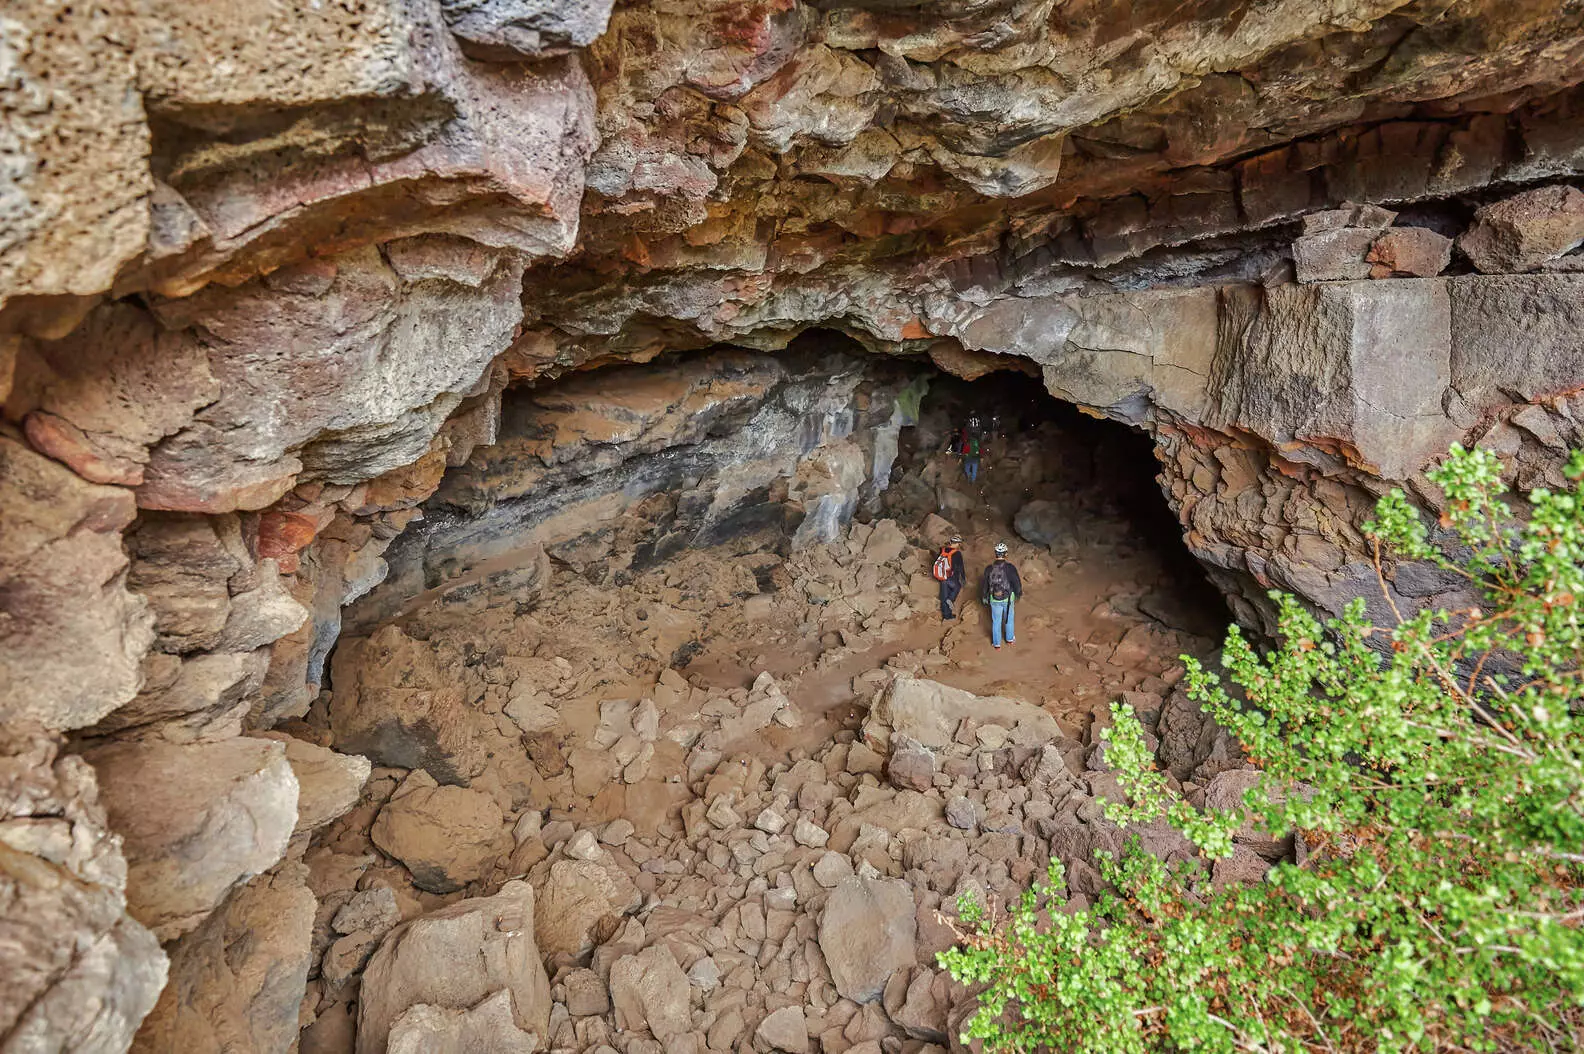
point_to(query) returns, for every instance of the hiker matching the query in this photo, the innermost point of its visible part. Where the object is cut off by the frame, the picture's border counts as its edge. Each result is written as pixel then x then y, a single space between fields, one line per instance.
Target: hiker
pixel 951 573
pixel 954 441
pixel 971 458
pixel 1001 589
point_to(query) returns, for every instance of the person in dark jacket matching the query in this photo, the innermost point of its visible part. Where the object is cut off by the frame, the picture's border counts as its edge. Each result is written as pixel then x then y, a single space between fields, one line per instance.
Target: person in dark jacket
pixel 1000 589
pixel 952 584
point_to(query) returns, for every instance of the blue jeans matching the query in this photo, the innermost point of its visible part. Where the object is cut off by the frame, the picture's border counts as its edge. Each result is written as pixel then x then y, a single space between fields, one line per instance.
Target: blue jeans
pixel 971 468
pixel 1003 610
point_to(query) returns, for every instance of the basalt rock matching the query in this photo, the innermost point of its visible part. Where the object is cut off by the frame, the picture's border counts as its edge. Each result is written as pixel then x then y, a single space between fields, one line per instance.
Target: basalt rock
pixel 388 304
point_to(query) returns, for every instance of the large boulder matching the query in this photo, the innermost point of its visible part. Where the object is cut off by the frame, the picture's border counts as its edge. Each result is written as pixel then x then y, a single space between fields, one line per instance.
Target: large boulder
pixel 576 896
pixel 928 713
pixel 79 972
pixel 398 704
pixel 866 934
pixel 446 836
pixel 454 959
pixel 236 982
pixel 196 820
pixel 1041 522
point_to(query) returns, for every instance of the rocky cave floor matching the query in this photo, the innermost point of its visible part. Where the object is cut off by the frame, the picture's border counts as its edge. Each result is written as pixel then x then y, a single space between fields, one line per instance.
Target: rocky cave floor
pixel 738 793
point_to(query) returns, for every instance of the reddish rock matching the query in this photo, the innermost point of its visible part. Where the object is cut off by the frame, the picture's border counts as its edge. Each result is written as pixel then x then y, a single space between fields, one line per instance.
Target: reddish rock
pixel 1525 231
pixel 1416 252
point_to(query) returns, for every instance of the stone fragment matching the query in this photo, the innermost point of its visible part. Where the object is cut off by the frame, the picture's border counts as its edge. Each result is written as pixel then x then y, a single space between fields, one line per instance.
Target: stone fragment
pixel 1042 522
pixel 1414 252
pixel 832 869
pixel 963 813
pixel 910 766
pixel 237 980
pixel 1525 231
pixel 807 832
pixel 866 934
pixel 785 1030
pixel 770 822
pixel 196 820
pixel 1335 255
pixel 650 991
pixel 445 836
pixel 370 910
pixel 1227 790
pixel 456 958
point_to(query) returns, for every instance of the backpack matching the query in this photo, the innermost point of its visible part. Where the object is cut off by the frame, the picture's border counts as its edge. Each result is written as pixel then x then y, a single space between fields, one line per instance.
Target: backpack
pixel 943 566
pixel 999 583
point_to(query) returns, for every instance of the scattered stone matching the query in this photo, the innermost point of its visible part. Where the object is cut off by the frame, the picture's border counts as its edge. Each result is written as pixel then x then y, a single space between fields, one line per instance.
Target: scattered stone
pixel 785 1030
pixel 962 813
pixel 650 991
pixel 929 712
pixel 808 833
pixel 574 899
pixel 866 934
pixel 585 993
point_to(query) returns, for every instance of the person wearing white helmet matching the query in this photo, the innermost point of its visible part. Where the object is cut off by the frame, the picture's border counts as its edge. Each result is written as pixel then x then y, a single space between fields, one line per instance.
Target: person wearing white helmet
pixel 952 574
pixel 1000 590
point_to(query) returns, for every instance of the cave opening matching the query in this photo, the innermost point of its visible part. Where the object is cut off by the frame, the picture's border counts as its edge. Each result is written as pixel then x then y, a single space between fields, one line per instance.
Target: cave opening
pixel 725 515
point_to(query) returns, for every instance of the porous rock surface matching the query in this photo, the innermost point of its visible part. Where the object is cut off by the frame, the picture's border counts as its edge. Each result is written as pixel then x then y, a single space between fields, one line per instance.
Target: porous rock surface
pixel 299 301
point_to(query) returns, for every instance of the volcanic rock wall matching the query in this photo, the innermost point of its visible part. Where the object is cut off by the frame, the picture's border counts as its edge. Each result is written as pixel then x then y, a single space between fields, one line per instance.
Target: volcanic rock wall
pixel 266 271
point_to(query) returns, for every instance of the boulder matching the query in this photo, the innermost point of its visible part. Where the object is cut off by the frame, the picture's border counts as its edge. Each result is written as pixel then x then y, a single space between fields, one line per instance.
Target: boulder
pixel 1041 522
pixel 866 934
pixel 455 959
pixel 488 1028
pixel 398 703
pixel 910 766
pixel 195 821
pixel 886 543
pixel 236 981
pixel 650 991
pixel 64 596
pixel 1226 790
pixel 929 712
pixel 445 836
pixel 1525 231
pixel 576 896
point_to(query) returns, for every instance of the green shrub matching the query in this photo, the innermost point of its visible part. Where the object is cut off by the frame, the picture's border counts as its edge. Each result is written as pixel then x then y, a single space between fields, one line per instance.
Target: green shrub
pixel 1439 904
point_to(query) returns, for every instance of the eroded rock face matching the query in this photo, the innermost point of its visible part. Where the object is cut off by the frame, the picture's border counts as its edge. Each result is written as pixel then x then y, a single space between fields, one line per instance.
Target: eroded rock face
pixel 81 972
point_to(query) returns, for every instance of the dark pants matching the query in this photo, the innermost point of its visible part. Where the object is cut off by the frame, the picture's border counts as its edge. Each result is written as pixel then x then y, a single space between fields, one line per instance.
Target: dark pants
pixel 949 590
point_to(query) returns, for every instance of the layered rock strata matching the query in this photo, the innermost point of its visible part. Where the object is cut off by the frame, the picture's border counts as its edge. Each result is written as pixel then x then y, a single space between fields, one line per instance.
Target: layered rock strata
pixel 265 276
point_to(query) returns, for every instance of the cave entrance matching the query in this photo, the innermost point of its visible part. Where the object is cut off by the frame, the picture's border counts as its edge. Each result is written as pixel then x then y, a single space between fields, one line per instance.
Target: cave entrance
pixel 1051 477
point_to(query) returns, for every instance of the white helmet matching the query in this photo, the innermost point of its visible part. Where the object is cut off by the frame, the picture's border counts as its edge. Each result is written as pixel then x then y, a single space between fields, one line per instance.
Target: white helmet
pixel 1001 548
